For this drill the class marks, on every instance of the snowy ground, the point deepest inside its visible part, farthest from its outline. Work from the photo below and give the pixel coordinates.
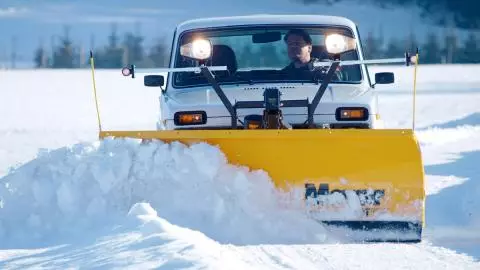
(69, 201)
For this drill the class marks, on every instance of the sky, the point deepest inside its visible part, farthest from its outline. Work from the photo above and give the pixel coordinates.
(25, 24)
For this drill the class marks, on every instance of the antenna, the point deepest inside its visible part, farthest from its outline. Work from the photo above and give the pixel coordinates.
(415, 89)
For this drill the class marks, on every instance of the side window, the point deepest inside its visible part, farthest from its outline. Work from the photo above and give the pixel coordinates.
(363, 57)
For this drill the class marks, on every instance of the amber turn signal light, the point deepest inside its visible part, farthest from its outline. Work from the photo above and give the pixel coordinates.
(349, 114)
(190, 118)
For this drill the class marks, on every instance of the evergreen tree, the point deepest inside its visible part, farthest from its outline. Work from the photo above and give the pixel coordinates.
(64, 56)
(373, 46)
(450, 47)
(431, 53)
(470, 51)
(371, 49)
(159, 54)
(269, 56)
(394, 48)
(249, 57)
(134, 48)
(112, 54)
(41, 58)
(411, 43)
(245, 57)
(380, 44)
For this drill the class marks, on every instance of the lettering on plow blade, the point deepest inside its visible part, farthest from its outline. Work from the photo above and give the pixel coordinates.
(322, 197)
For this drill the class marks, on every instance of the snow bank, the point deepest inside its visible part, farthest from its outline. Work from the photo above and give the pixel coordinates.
(76, 188)
(451, 157)
(457, 170)
(175, 247)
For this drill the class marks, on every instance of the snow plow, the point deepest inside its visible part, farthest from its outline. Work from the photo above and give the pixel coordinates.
(291, 95)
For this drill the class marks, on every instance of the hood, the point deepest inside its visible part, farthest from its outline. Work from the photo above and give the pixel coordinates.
(335, 93)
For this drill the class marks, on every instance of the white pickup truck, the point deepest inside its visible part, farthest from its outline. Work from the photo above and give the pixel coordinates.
(224, 71)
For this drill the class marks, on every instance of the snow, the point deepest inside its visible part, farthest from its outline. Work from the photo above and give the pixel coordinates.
(193, 187)
(68, 200)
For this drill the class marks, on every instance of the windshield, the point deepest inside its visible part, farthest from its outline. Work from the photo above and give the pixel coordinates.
(266, 54)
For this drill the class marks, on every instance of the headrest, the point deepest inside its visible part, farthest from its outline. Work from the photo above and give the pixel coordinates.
(223, 55)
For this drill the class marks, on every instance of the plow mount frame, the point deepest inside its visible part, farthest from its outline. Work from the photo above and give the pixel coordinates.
(206, 71)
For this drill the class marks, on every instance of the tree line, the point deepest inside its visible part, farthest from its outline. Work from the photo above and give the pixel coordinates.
(459, 13)
(446, 48)
(119, 52)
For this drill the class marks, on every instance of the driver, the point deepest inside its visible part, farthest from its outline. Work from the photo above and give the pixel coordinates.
(299, 49)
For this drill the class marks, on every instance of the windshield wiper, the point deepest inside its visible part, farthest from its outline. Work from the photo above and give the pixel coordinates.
(241, 78)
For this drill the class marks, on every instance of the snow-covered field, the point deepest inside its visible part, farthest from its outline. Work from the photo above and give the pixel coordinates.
(68, 200)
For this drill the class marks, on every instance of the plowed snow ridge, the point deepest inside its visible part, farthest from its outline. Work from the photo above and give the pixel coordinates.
(75, 188)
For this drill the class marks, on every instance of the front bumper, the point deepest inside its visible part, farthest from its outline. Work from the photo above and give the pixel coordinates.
(296, 121)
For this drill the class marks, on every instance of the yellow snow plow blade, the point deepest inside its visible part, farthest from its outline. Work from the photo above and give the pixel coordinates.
(383, 167)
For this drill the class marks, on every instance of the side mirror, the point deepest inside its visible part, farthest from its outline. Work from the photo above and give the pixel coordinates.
(384, 78)
(153, 80)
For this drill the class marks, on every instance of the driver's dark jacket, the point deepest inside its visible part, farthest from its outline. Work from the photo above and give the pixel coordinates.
(306, 72)
(308, 67)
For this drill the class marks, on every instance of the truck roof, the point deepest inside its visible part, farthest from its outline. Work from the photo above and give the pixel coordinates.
(265, 19)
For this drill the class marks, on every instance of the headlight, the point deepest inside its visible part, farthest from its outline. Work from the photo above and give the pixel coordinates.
(336, 43)
(351, 114)
(199, 49)
(190, 118)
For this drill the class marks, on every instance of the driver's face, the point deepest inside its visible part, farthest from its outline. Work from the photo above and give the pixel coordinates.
(298, 49)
